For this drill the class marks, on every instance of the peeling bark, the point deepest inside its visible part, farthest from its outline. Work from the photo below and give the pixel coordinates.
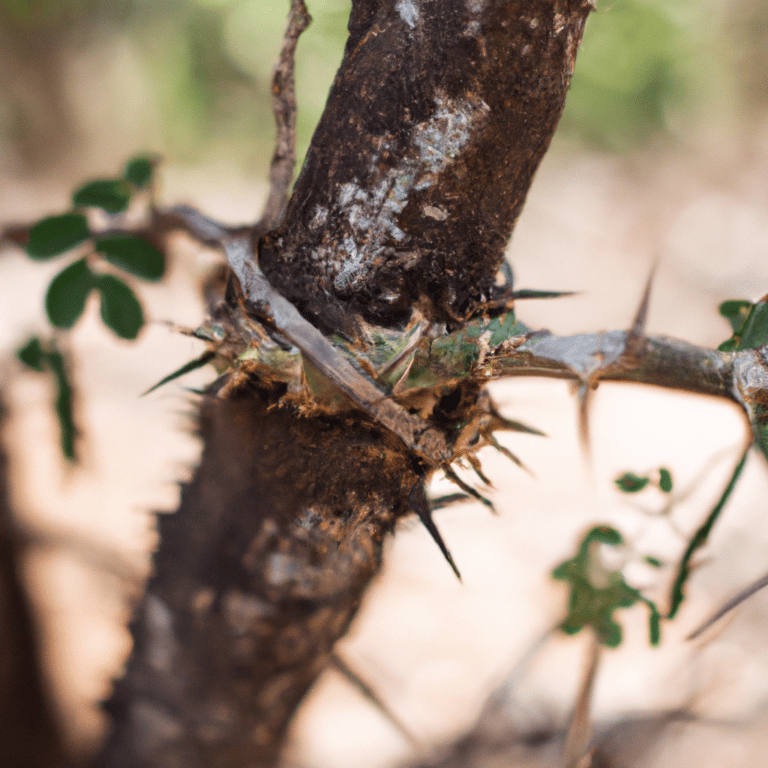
(436, 122)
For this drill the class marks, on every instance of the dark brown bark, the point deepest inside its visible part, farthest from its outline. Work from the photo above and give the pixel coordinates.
(258, 574)
(436, 122)
(29, 733)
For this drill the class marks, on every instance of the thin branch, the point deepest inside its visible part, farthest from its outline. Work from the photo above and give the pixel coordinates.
(284, 106)
(729, 605)
(370, 695)
(579, 734)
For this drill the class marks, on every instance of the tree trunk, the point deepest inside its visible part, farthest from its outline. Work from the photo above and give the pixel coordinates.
(436, 122)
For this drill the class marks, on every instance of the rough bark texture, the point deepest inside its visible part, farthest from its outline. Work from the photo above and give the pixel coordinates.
(29, 734)
(258, 574)
(436, 122)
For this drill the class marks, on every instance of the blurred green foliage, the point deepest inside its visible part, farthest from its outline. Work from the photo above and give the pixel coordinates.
(206, 65)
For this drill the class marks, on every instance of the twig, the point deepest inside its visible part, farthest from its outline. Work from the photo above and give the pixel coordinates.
(370, 695)
(579, 733)
(729, 605)
(284, 106)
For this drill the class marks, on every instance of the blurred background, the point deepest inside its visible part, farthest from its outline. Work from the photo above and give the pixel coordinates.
(662, 154)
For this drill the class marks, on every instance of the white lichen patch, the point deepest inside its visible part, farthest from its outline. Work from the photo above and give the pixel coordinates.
(372, 209)
(408, 12)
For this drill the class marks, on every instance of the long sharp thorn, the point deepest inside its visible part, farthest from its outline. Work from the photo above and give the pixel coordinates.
(420, 505)
(453, 477)
(636, 339)
(584, 396)
(445, 501)
(504, 451)
(478, 468)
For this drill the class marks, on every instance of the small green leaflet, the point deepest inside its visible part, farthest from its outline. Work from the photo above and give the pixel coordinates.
(665, 480)
(120, 309)
(41, 357)
(56, 235)
(594, 598)
(631, 483)
(111, 195)
(749, 322)
(735, 311)
(132, 254)
(67, 294)
(32, 355)
(138, 171)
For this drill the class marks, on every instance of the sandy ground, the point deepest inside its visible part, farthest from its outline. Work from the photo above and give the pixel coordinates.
(432, 647)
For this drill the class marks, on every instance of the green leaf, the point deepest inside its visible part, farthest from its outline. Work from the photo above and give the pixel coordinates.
(56, 235)
(735, 311)
(631, 483)
(64, 405)
(192, 365)
(700, 539)
(132, 254)
(754, 333)
(139, 171)
(665, 480)
(749, 322)
(654, 622)
(596, 594)
(67, 294)
(32, 354)
(111, 195)
(728, 345)
(653, 561)
(120, 309)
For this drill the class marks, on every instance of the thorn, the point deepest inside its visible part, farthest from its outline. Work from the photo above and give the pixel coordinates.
(502, 422)
(478, 468)
(446, 501)
(584, 397)
(370, 695)
(420, 505)
(636, 339)
(504, 451)
(451, 475)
